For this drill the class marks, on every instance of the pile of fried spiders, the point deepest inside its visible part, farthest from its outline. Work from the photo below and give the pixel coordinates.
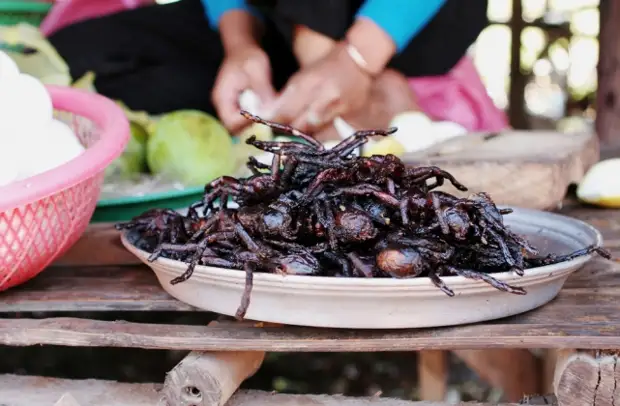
(329, 212)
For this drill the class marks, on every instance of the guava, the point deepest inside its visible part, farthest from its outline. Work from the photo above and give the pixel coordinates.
(133, 159)
(190, 147)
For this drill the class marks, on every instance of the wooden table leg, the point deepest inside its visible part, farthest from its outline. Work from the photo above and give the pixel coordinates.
(433, 375)
(210, 378)
(588, 379)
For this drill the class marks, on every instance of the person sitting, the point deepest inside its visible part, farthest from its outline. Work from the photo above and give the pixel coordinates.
(307, 60)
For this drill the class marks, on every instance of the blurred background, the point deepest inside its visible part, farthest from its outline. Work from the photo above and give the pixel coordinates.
(550, 69)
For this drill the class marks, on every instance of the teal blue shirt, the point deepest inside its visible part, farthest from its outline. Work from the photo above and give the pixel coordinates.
(402, 19)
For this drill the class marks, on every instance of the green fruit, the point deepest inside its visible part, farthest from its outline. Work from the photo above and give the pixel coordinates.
(191, 147)
(133, 159)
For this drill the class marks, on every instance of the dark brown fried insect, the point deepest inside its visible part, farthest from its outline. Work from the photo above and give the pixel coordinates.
(327, 212)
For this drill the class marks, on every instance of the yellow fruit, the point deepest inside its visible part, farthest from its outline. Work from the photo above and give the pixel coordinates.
(601, 184)
(385, 146)
(260, 131)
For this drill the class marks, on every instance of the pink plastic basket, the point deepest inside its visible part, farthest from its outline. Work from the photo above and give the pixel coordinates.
(43, 216)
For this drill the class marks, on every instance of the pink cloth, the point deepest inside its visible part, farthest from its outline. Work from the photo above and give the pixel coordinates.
(460, 97)
(65, 12)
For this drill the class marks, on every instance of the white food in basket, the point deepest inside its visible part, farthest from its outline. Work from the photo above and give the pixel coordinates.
(57, 146)
(8, 68)
(25, 106)
(31, 140)
(9, 167)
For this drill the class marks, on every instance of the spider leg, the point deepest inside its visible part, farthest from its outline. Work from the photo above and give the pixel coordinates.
(508, 258)
(501, 229)
(224, 200)
(247, 291)
(325, 217)
(318, 161)
(192, 211)
(256, 163)
(249, 241)
(342, 262)
(278, 147)
(210, 260)
(391, 187)
(364, 269)
(199, 250)
(441, 219)
(290, 165)
(316, 186)
(422, 173)
(316, 249)
(404, 211)
(433, 275)
(136, 222)
(162, 238)
(554, 259)
(357, 139)
(480, 276)
(370, 190)
(275, 168)
(286, 129)
(255, 166)
(214, 189)
(205, 227)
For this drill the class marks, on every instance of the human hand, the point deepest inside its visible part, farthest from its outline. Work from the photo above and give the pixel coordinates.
(314, 96)
(245, 68)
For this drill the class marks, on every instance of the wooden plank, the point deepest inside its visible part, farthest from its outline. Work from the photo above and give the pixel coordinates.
(99, 245)
(93, 333)
(39, 391)
(433, 373)
(130, 288)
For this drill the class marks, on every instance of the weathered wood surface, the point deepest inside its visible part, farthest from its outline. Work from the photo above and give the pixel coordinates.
(585, 380)
(128, 288)
(99, 246)
(39, 391)
(209, 378)
(530, 169)
(93, 333)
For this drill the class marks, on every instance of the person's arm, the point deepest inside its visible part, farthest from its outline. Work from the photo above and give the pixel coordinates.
(215, 9)
(236, 21)
(380, 31)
